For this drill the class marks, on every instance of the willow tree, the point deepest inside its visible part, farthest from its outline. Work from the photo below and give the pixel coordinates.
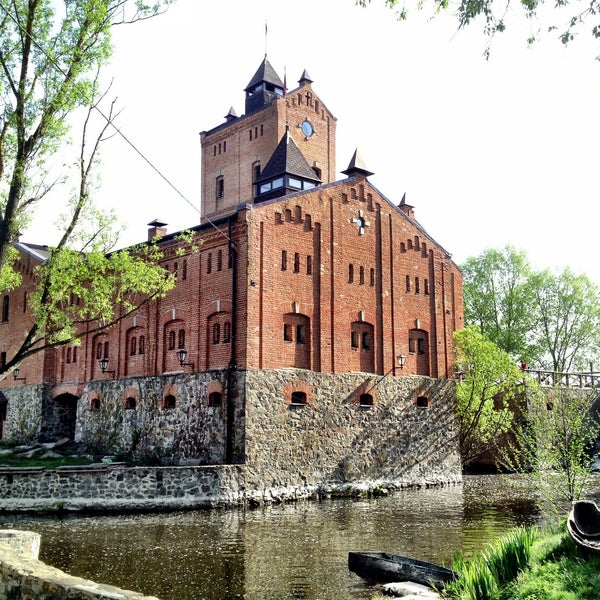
(51, 55)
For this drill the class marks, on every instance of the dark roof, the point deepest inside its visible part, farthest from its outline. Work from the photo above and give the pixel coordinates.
(287, 158)
(264, 73)
(305, 77)
(357, 165)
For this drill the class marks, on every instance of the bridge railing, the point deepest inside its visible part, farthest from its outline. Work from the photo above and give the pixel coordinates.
(590, 380)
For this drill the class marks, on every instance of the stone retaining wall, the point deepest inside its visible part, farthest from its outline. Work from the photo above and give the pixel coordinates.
(119, 488)
(23, 576)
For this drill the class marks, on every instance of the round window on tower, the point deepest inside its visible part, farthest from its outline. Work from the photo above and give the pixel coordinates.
(307, 128)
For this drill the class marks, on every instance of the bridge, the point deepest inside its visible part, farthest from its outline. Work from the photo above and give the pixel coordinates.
(589, 380)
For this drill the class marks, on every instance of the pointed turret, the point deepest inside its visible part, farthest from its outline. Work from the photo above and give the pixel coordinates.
(231, 115)
(263, 87)
(357, 166)
(304, 78)
(406, 208)
(287, 171)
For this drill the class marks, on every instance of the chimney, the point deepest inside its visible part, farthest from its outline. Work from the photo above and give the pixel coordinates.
(157, 229)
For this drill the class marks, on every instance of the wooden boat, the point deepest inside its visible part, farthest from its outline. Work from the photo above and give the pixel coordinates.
(381, 567)
(583, 524)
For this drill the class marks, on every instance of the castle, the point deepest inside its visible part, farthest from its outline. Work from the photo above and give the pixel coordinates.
(309, 338)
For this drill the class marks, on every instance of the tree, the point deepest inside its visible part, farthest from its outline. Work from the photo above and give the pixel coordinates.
(550, 321)
(498, 299)
(50, 56)
(486, 392)
(566, 19)
(555, 444)
(567, 327)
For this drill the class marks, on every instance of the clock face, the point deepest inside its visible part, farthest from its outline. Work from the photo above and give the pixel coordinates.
(307, 128)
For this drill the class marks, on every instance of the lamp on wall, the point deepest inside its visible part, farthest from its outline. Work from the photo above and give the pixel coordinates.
(103, 362)
(182, 355)
(16, 375)
(401, 361)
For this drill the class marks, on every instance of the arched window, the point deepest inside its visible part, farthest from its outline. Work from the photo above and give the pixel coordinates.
(95, 404)
(365, 400)
(226, 332)
(215, 399)
(172, 340)
(216, 337)
(130, 403)
(169, 401)
(299, 398)
(5, 302)
(142, 345)
(181, 338)
(132, 345)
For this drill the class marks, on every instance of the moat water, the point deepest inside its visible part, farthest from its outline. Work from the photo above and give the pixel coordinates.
(294, 551)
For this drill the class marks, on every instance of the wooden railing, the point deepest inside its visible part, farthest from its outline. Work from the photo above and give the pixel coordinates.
(575, 380)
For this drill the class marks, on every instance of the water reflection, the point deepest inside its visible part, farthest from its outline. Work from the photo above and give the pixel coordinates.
(296, 551)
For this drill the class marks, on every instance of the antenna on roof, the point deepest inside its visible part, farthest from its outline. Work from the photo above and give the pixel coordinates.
(266, 34)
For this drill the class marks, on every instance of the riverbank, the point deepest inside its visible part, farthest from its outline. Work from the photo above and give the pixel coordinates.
(528, 565)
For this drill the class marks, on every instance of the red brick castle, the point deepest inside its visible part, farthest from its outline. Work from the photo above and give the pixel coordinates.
(307, 293)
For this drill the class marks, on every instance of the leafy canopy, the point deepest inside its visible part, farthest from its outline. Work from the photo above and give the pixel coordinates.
(489, 380)
(562, 19)
(51, 53)
(550, 320)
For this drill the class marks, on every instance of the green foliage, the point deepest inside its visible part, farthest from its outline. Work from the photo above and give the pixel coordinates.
(557, 571)
(548, 320)
(567, 324)
(498, 298)
(563, 19)
(555, 444)
(50, 56)
(482, 577)
(485, 393)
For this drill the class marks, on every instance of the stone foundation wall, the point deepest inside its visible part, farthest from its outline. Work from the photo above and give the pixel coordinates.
(408, 436)
(23, 413)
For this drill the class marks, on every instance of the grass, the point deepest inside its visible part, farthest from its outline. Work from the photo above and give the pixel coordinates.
(527, 565)
(35, 460)
(483, 576)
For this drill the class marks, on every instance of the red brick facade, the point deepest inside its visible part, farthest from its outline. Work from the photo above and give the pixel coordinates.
(333, 279)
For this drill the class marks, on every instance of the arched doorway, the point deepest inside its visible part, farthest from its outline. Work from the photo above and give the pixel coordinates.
(65, 407)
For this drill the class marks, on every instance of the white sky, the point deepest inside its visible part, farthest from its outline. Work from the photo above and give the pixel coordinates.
(489, 152)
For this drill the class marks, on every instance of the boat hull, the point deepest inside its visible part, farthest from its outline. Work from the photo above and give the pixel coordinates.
(583, 524)
(381, 567)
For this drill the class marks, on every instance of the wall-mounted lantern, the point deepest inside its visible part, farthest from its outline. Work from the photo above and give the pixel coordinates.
(181, 356)
(16, 376)
(103, 362)
(401, 361)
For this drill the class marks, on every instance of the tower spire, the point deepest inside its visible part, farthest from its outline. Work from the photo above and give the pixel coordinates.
(266, 36)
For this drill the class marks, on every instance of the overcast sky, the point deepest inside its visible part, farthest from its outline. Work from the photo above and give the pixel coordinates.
(490, 153)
